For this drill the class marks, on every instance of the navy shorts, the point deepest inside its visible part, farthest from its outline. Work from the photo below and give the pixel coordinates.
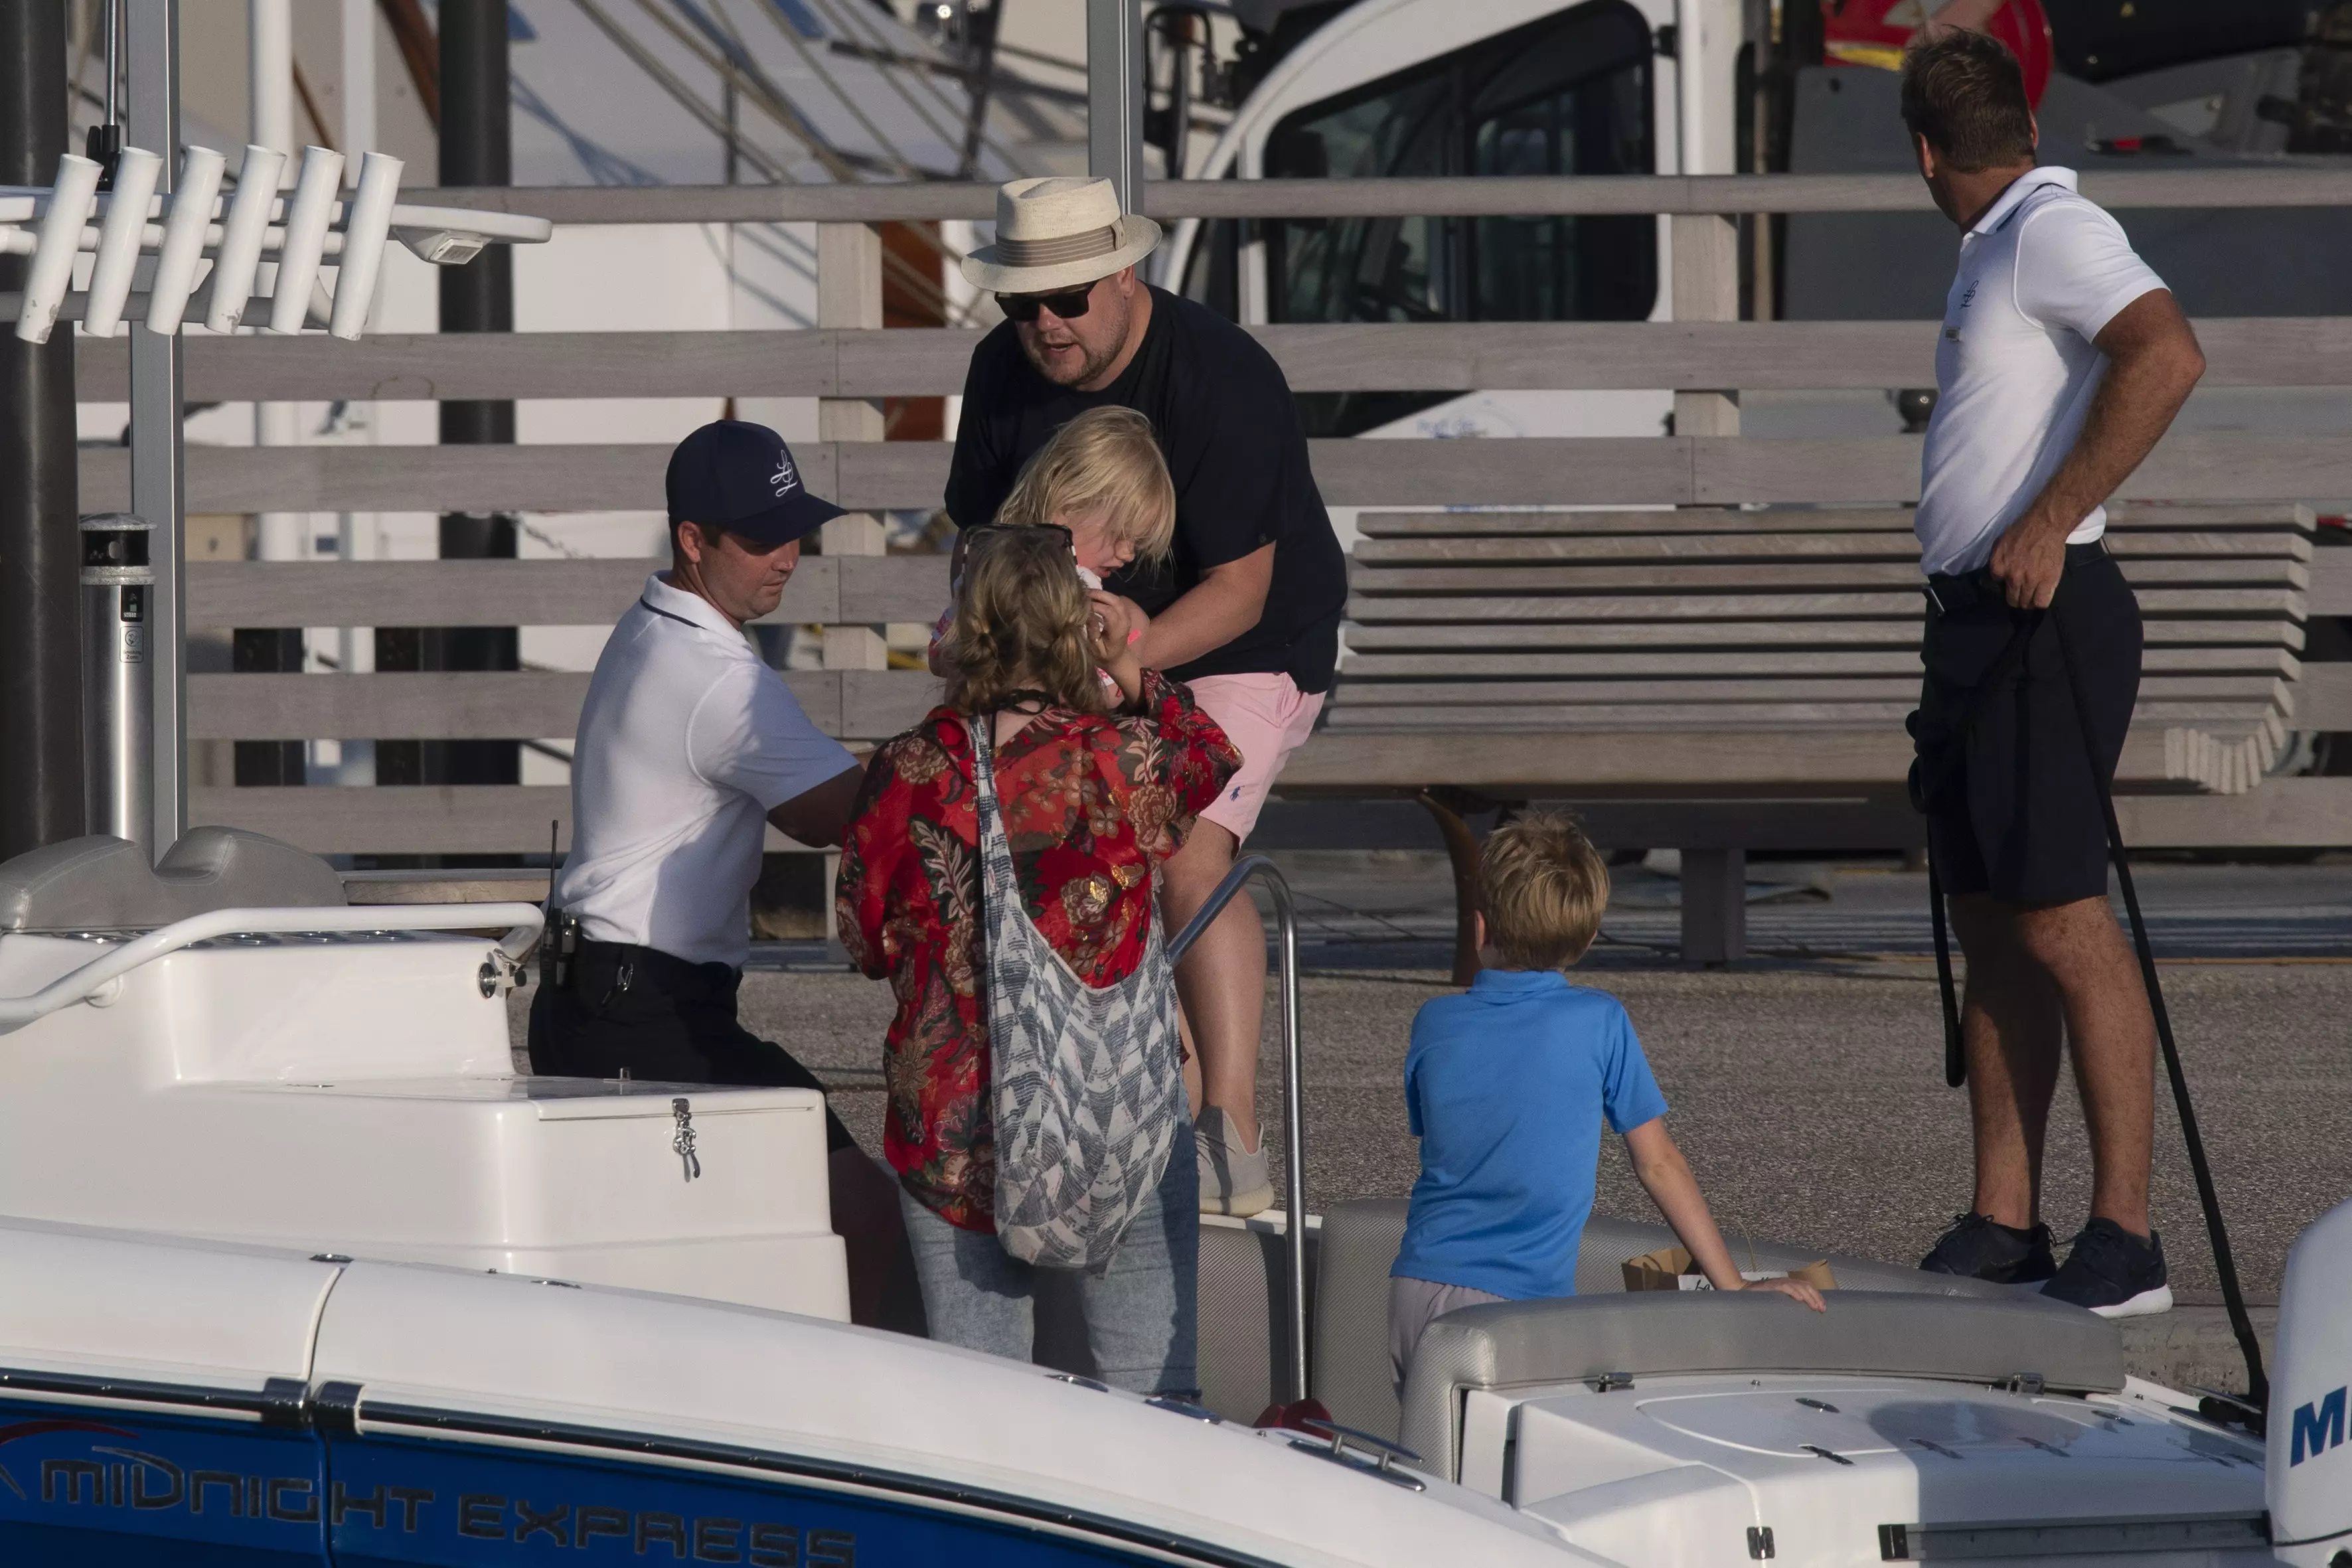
(665, 1020)
(2012, 806)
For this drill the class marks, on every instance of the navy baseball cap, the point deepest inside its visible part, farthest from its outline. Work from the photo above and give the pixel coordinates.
(741, 477)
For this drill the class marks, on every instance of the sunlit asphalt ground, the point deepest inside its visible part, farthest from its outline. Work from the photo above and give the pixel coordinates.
(1806, 1083)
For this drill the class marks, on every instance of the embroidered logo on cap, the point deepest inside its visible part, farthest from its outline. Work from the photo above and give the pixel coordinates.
(785, 479)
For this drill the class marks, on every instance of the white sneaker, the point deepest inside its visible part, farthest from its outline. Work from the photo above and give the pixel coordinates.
(1233, 1178)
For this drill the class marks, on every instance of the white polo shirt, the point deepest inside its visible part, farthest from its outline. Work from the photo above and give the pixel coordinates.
(687, 741)
(2041, 273)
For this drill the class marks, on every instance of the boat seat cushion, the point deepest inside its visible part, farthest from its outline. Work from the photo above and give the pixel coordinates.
(1359, 1241)
(1961, 1338)
(101, 883)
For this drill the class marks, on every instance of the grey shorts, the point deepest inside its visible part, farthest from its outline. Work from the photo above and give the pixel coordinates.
(1413, 1305)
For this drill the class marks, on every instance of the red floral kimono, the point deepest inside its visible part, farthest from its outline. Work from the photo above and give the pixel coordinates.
(1091, 804)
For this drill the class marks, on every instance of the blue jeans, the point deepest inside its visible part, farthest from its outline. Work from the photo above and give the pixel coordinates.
(1141, 1310)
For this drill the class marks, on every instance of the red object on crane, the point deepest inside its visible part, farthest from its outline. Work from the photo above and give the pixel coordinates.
(1873, 32)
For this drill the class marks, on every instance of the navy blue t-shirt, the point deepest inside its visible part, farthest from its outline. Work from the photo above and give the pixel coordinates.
(1506, 1085)
(1237, 453)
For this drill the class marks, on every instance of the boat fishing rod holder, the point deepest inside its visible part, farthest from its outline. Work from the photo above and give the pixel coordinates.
(301, 229)
(1260, 868)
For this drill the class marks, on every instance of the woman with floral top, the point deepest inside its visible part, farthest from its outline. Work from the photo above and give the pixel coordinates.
(1094, 798)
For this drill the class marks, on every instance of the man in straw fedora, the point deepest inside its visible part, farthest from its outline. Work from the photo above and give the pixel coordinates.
(1247, 610)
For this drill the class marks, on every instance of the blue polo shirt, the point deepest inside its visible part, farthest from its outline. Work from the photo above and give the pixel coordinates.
(1505, 1086)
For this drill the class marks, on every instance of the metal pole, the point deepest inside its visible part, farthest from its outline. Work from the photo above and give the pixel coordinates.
(476, 298)
(1294, 1108)
(40, 534)
(158, 466)
(1115, 97)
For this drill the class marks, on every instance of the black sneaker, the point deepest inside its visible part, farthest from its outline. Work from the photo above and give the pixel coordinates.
(2113, 1273)
(1977, 1248)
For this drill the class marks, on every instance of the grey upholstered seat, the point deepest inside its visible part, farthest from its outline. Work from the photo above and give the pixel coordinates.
(1963, 1339)
(100, 883)
(1359, 1241)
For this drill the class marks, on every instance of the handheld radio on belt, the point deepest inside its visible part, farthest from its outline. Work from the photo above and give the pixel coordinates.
(561, 944)
(1955, 1067)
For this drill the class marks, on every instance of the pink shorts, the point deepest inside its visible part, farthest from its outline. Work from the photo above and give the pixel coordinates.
(1266, 717)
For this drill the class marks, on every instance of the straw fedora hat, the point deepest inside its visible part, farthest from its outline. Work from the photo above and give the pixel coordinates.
(1056, 233)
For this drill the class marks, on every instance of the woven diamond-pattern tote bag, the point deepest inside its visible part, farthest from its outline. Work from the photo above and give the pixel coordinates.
(1088, 1084)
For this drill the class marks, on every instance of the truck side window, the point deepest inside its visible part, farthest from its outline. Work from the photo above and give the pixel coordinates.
(1566, 95)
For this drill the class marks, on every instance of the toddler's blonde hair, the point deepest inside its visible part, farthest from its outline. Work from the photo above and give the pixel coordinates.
(1106, 460)
(1542, 887)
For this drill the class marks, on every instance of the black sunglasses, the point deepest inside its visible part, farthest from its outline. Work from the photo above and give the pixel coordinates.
(977, 529)
(1069, 304)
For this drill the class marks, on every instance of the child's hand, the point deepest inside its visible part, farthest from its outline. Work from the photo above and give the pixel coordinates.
(1795, 1289)
(1121, 617)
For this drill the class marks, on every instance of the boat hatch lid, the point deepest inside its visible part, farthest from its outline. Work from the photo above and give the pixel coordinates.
(1800, 1422)
(560, 1098)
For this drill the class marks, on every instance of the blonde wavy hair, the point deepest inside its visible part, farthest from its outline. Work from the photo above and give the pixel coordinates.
(1021, 620)
(1542, 887)
(1104, 460)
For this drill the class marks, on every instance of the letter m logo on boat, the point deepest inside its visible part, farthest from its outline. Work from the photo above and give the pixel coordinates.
(2318, 1427)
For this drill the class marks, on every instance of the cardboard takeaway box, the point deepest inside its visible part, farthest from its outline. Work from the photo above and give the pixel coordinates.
(1672, 1268)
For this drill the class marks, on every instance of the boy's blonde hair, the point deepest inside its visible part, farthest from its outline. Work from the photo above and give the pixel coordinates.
(1106, 460)
(1542, 887)
(1020, 624)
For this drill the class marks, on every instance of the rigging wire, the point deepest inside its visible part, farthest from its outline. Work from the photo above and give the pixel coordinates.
(668, 80)
(790, 119)
(928, 289)
(800, 47)
(882, 46)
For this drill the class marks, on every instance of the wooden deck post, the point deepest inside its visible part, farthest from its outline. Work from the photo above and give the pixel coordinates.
(1447, 806)
(849, 294)
(1715, 906)
(1706, 288)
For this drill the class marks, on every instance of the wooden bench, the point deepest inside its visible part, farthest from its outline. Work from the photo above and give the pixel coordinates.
(1738, 679)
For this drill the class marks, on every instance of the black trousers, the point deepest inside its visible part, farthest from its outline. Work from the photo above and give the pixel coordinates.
(2012, 806)
(663, 1020)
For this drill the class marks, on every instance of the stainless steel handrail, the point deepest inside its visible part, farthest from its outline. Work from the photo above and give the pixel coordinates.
(523, 923)
(1294, 1118)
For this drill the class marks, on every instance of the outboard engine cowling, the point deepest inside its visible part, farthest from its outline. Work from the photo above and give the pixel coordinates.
(2310, 1462)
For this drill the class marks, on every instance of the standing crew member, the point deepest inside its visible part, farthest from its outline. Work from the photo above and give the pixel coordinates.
(1247, 612)
(2062, 360)
(689, 746)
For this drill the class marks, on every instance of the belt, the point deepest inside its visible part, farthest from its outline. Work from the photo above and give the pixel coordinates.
(1957, 593)
(603, 969)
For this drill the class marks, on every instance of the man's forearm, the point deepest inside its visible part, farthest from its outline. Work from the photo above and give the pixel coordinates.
(2129, 415)
(2155, 364)
(1203, 621)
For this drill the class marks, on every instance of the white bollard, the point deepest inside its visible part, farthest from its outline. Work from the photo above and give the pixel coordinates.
(51, 273)
(367, 223)
(239, 255)
(308, 214)
(120, 236)
(186, 225)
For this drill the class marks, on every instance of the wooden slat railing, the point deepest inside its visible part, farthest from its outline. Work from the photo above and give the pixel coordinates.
(835, 364)
(2259, 351)
(1687, 470)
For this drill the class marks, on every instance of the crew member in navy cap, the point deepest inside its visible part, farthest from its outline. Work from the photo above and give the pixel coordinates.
(689, 746)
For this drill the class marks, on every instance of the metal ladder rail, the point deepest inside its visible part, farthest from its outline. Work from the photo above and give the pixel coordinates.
(1294, 1121)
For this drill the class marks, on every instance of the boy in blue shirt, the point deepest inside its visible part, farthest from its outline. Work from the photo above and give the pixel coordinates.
(1506, 1085)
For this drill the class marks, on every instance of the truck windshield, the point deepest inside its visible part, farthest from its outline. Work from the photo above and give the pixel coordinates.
(1566, 95)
